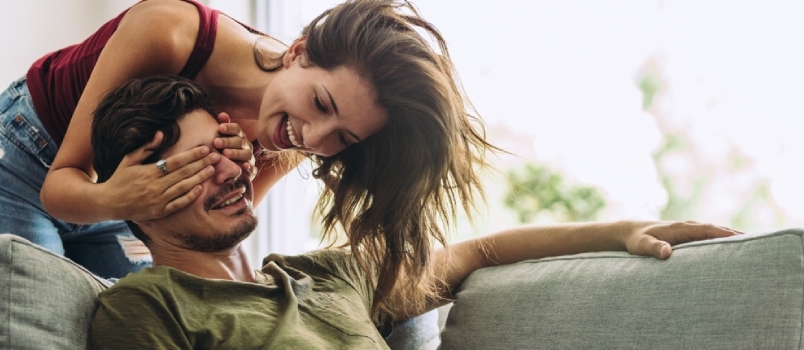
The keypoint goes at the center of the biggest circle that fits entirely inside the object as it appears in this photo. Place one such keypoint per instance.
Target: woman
(360, 92)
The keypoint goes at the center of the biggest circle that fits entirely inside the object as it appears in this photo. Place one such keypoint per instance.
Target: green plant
(537, 192)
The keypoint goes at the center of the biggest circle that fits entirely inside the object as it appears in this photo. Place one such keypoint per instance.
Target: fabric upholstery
(47, 301)
(418, 333)
(742, 292)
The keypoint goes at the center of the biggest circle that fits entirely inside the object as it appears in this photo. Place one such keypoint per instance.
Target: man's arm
(534, 242)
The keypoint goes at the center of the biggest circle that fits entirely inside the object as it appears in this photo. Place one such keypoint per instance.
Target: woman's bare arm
(155, 37)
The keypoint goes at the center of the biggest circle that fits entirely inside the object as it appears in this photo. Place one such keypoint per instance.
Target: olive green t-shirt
(319, 300)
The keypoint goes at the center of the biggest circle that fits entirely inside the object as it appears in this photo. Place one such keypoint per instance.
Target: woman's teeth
(292, 136)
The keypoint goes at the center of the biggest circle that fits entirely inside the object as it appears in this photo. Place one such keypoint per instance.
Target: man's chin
(244, 211)
(223, 241)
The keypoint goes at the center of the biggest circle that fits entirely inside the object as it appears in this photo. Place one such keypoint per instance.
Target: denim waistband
(20, 125)
(7, 97)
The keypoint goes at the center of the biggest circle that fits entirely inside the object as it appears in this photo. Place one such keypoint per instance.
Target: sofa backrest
(46, 301)
(742, 292)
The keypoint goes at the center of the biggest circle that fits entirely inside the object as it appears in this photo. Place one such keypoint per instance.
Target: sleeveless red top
(57, 80)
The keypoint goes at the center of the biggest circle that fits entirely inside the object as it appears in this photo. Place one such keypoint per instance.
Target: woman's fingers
(185, 196)
(185, 164)
(239, 155)
(223, 118)
(233, 143)
(140, 154)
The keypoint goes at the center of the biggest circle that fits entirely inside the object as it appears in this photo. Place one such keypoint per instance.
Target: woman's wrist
(103, 203)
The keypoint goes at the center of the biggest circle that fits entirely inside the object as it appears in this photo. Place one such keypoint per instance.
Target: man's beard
(223, 241)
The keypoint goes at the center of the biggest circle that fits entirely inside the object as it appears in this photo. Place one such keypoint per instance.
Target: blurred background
(612, 109)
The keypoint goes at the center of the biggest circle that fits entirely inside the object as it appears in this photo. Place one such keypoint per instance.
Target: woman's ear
(295, 52)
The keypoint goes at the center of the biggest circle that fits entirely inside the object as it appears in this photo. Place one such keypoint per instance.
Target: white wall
(32, 28)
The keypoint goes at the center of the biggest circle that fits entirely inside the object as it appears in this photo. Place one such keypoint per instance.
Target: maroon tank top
(57, 80)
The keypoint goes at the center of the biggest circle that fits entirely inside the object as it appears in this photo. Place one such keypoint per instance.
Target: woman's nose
(321, 137)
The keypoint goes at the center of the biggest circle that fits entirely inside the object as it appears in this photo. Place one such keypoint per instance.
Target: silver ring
(162, 165)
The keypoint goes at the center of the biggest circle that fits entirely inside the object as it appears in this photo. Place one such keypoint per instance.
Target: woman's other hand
(235, 145)
(140, 192)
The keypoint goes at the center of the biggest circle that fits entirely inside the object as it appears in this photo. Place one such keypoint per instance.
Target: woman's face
(315, 110)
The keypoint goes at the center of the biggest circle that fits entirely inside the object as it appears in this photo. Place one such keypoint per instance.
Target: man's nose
(226, 169)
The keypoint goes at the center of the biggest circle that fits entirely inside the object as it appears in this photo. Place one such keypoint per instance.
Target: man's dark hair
(129, 116)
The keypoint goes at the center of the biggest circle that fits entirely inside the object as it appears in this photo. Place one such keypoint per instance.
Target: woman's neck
(240, 95)
(235, 81)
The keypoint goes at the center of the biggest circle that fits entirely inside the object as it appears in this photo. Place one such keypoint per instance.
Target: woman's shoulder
(160, 8)
(162, 16)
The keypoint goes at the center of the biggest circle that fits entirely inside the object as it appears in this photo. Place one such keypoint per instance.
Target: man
(202, 292)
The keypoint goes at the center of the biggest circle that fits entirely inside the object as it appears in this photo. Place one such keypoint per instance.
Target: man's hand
(656, 238)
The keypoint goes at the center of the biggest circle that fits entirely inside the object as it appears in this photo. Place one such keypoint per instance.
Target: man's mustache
(225, 190)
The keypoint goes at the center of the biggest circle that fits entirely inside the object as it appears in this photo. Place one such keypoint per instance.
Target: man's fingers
(721, 231)
(646, 244)
(662, 250)
(706, 231)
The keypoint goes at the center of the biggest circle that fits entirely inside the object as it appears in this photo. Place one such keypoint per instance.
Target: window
(667, 109)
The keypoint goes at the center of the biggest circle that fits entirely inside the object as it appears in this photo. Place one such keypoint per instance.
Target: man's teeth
(231, 201)
(292, 136)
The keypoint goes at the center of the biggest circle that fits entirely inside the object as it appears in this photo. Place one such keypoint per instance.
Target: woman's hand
(235, 145)
(655, 238)
(140, 192)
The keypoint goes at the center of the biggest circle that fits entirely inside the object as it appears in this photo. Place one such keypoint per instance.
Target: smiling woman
(367, 91)
(317, 110)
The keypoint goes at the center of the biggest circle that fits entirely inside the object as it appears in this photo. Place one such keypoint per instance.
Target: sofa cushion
(47, 300)
(742, 292)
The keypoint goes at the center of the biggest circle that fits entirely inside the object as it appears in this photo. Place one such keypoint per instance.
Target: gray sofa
(744, 292)
(47, 302)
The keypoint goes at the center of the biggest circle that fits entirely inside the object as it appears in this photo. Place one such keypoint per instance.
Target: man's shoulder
(153, 279)
(327, 259)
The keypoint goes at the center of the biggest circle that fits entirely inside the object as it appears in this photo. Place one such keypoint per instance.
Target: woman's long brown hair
(394, 192)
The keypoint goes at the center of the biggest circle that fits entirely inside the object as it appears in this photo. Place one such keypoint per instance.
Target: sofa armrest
(46, 301)
(742, 292)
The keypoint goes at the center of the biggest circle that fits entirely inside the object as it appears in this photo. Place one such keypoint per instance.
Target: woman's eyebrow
(335, 107)
(331, 100)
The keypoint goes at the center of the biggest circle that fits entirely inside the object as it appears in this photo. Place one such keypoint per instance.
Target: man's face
(223, 215)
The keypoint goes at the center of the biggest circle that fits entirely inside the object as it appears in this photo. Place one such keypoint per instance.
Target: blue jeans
(108, 249)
